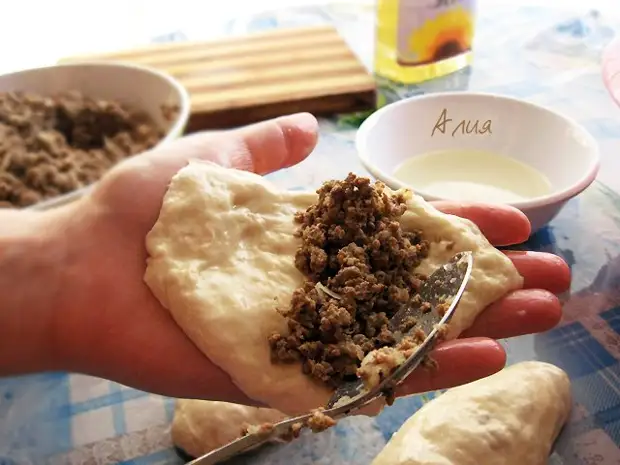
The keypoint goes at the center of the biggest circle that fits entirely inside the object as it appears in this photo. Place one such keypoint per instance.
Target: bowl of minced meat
(63, 127)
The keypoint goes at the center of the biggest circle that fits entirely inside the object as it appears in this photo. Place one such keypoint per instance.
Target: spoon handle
(445, 286)
(230, 450)
(248, 442)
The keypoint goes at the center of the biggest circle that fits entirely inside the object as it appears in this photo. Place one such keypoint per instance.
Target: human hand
(112, 326)
(533, 309)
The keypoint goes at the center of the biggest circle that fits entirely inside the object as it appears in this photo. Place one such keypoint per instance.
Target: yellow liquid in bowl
(473, 176)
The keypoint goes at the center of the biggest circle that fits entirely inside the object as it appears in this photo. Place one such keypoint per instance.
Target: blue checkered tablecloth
(550, 55)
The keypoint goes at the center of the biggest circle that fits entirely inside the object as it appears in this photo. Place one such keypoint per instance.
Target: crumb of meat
(442, 331)
(408, 324)
(319, 421)
(419, 334)
(53, 145)
(381, 363)
(442, 308)
(352, 245)
(296, 429)
(263, 429)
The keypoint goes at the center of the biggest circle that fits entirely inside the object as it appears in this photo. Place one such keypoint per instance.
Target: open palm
(119, 331)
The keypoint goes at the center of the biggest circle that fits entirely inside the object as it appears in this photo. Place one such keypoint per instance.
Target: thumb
(271, 145)
(262, 148)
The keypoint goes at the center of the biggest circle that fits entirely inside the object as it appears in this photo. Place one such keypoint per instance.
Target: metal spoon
(442, 289)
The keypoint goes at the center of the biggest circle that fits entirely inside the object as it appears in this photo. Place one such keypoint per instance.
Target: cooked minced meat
(319, 422)
(360, 269)
(53, 145)
(382, 362)
(264, 429)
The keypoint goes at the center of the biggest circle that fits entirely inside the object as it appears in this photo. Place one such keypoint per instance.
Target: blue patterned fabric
(549, 55)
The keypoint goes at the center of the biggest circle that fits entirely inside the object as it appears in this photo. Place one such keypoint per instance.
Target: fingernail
(304, 121)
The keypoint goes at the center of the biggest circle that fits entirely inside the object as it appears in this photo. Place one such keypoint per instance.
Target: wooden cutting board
(241, 80)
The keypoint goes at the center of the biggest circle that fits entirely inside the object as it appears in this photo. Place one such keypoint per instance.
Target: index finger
(501, 224)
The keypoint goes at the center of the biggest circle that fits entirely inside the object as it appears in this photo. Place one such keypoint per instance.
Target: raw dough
(200, 426)
(221, 260)
(510, 418)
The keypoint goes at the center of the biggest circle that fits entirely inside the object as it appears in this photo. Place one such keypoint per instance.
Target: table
(549, 55)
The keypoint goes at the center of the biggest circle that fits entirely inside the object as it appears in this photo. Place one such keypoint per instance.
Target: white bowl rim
(540, 201)
(184, 108)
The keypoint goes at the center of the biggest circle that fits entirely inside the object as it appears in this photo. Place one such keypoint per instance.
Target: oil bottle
(418, 40)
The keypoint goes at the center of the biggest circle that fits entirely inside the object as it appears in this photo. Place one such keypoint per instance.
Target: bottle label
(434, 30)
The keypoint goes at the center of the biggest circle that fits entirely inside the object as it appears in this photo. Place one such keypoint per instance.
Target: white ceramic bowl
(553, 144)
(142, 88)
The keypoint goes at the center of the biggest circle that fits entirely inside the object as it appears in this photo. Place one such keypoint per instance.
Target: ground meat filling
(53, 145)
(360, 269)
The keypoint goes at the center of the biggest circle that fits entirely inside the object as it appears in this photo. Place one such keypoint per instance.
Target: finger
(279, 143)
(541, 270)
(457, 362)
(263, 147)
(501, 224)
(521, 312)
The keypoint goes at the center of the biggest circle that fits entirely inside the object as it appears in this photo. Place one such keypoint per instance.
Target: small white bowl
(555, 145)
(141, 88)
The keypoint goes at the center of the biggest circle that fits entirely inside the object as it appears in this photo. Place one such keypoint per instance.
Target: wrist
(31, 260)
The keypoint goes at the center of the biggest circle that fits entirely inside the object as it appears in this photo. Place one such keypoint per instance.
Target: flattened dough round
(200, 426)
(221, 261)
(510, 418)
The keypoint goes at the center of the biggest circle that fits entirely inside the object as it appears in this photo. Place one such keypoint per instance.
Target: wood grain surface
(241, 80)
